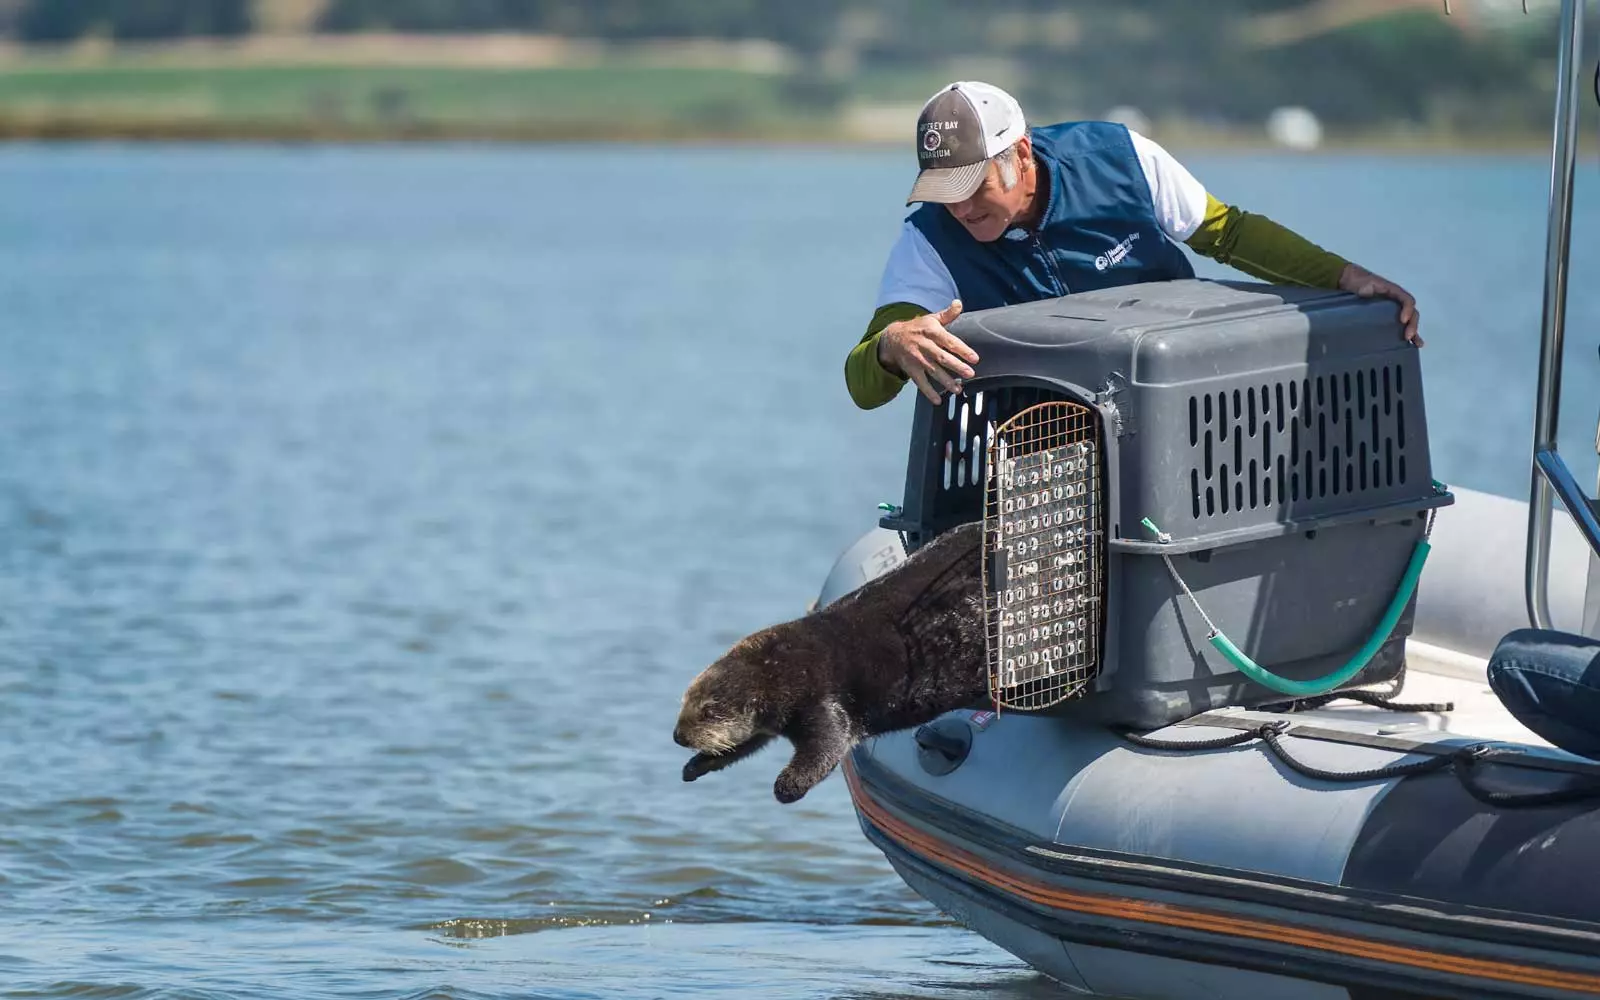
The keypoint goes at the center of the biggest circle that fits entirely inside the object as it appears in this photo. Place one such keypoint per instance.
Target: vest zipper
(1061, 286)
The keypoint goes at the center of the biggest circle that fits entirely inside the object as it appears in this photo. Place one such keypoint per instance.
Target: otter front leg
(824, 737)
(704, 763)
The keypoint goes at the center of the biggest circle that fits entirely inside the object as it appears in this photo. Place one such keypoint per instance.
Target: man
(1012, 215)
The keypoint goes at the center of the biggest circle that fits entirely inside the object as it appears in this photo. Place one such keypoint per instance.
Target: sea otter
(902, 649)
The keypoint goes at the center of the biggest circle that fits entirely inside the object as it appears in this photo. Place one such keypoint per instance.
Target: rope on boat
(1269, 733)
(1462, 762)
(1272, 732)
(1373, 698)
(1220, 743)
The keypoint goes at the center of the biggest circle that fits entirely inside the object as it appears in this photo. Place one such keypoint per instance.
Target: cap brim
(948, 184)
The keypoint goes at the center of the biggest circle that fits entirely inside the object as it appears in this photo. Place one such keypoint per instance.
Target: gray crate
(1278, 434)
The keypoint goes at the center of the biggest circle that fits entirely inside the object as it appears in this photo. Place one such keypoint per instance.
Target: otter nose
(679, 738)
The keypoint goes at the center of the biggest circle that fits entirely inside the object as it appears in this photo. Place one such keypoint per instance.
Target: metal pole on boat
(1591, 590)
(1553, 320)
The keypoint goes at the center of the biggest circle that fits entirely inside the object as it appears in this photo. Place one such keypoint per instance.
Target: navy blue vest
(1098, 230)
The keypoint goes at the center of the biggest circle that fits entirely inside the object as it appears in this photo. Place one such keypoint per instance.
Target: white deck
(1434, 674)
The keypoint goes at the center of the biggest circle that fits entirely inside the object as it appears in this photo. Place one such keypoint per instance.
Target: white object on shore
(1130, 116)
(1294, 127)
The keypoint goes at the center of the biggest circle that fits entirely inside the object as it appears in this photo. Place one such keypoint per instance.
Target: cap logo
(931, 139)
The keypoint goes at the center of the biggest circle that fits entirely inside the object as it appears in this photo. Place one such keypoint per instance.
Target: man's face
(991, 209)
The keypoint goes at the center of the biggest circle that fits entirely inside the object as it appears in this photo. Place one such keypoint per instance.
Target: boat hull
(1211, 913)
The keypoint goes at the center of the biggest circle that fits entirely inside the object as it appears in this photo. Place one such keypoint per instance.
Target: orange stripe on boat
(1146, 911)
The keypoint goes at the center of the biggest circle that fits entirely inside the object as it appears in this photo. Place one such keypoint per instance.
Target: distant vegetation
(755, 67)
(135, 98)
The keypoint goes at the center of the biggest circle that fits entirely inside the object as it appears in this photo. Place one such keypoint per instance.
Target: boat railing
(1551, 478)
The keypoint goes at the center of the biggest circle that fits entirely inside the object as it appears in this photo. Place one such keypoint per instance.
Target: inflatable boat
(1240, 741)
(1190, 862)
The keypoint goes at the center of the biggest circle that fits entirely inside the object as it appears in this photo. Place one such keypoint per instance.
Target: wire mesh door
(1043, 555)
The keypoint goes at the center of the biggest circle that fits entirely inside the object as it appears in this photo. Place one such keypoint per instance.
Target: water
(364, 512)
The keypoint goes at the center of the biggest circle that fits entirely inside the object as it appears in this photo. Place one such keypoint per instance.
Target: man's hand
(925, 352)
(1355, 278)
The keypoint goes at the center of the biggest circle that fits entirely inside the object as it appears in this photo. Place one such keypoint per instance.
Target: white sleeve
(915, 274)
(1180, 200)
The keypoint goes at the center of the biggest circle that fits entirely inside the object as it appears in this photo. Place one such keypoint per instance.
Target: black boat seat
(1550, 682)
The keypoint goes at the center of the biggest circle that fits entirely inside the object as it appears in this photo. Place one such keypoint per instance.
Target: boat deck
(1435, 674)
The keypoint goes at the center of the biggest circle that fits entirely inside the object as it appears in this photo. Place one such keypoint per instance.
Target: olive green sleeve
(870, 384)
(1263, 249)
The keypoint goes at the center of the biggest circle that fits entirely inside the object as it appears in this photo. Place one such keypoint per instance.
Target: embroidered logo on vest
(1115, 255)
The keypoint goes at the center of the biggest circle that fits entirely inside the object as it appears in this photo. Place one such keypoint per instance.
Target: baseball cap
(959, 129)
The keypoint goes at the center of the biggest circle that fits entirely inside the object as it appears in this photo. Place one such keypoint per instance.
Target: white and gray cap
(960, 128)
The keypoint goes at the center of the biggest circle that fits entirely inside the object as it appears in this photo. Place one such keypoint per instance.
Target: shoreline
(373, 88)
(285, 85)
(160, 129)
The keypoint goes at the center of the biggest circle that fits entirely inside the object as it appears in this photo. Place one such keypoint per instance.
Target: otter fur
(899, 651)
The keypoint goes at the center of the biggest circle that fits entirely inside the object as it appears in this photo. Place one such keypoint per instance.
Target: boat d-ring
(943, 745)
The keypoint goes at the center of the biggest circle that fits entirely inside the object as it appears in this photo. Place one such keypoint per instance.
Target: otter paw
(789, 791)
(699, 765)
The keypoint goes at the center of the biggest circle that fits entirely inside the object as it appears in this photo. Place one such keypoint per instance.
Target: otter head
(732, 703)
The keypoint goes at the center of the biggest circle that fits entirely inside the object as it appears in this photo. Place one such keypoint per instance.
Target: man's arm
(870, 384)
(1253, 243)
(1263, 249)
(906, 339)
(906, 342)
